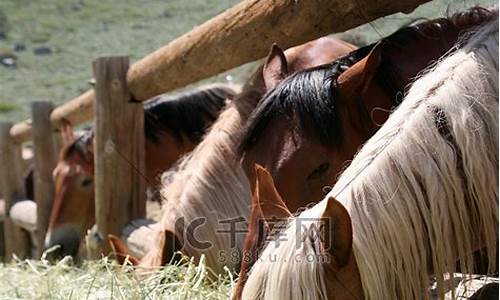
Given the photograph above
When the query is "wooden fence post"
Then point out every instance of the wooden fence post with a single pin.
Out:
(11, 179)
(119, 157)
(45, 157)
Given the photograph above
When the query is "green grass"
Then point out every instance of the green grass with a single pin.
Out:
(79, 33)
(105, 279)
(6, 107)
(81, 30)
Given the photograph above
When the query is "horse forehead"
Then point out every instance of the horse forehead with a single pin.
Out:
(292, 141)
(278, 143)
(68, 168)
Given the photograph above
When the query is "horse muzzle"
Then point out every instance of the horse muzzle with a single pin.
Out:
(67, 238)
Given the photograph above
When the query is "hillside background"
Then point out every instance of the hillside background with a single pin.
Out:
(46, 46)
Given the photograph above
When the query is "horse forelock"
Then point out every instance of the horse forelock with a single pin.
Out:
(81, 146)
(305, 98)
(428, 207)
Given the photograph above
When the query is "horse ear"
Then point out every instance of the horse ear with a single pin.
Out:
(67, 134)
(258, 229)
(359, 76)
(275, 68)
(171, 246)
(270, 201)
(337, 235)
(121, 251)
(266, 206)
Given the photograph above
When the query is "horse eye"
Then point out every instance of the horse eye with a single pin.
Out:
(319, 172)
(86, 181)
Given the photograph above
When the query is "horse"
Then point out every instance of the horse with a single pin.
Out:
(209, 187)
(420, 195)
(311, 123)
(173, 126)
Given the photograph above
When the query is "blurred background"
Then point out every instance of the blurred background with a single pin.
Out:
(46, 46)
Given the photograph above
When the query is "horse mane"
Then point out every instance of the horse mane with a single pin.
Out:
(307, 98)
(438, 189)
(207, 181)
(187, 113)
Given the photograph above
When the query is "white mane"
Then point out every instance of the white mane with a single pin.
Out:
(421, 192)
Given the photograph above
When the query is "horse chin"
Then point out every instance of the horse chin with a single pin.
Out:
(63, 241)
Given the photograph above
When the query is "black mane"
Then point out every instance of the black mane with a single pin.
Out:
(304, 98)
(307, 98)
(186, 114)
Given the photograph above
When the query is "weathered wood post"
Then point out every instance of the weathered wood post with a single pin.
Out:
(45, 157)
(11, 180)
(119, 157)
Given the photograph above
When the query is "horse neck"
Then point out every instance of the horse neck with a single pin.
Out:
(417, 190)
(436, 38)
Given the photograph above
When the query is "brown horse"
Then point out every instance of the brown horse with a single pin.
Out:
(310, 124)
(421, 195)
(210, 184)
(174, 125)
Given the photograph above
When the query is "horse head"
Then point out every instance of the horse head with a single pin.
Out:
(296, 131)
(332, 235)
(73, 210)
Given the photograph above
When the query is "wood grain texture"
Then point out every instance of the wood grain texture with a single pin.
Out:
(45, 158)
(239, 35)
(12, 187)
(76, 111)
(119, 156)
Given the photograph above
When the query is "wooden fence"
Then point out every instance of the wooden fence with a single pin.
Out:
(239, 35)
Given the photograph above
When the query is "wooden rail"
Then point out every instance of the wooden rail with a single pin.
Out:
(239, 35)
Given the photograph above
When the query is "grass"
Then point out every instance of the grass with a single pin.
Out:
(81, 30)
(105, 279)
(6, 107)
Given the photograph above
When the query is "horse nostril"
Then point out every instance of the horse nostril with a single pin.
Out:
(68, 240)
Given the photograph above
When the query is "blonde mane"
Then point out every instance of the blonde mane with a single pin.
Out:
(208, 183)
(211, 183)
(422, 193)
